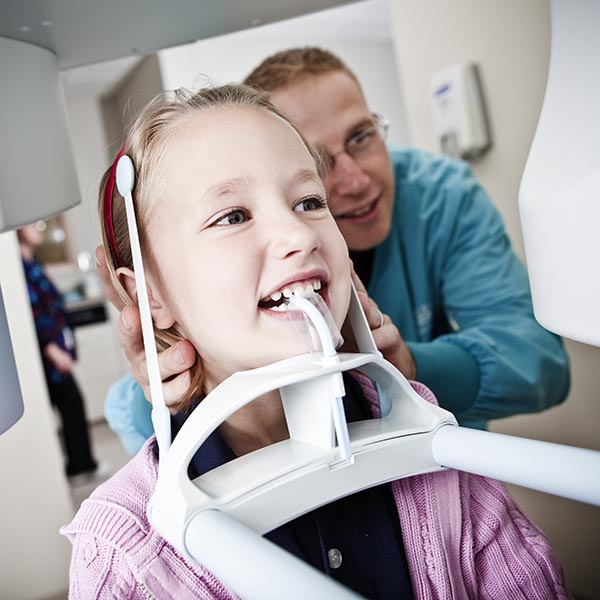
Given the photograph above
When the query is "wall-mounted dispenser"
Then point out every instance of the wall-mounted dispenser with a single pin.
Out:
(460, 119)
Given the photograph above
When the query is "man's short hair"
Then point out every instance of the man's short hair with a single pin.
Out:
(288, 66)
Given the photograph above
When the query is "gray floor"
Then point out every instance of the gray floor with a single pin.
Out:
(110, 455)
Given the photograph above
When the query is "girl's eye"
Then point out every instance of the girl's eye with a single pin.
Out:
(235, 217)
(312, 203)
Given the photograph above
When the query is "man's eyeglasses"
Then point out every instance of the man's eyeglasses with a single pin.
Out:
(361, 142)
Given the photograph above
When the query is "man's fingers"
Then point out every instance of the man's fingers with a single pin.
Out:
(174, 390)
(176, 359)
(172, 363)
(107, 286)
(386, 336)
(390, 343)
(129, 332)
(371, 310)
(358, 284)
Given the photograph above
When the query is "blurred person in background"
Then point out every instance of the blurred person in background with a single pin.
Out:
(57, 349)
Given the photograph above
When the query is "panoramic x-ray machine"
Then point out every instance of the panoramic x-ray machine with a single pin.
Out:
(327, 458)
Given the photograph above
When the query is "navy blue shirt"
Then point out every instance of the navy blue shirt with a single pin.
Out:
(362, 529)
(51, 324)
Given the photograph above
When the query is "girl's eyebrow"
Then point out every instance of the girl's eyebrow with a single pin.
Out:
(231, 186)
(226, 187)
(307, 176)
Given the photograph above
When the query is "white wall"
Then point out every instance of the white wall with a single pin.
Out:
(511, 41)
(367, 51)
(86, 129)
(34, 495)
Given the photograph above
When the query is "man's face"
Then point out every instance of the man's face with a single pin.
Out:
(329, 109)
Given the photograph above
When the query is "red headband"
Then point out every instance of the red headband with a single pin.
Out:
(107, 209)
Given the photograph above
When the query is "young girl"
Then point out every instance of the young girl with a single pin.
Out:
(232, 213)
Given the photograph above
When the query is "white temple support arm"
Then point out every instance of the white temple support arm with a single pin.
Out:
(553, 468)
(252, 567)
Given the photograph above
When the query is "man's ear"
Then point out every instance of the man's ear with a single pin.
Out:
(161, 315)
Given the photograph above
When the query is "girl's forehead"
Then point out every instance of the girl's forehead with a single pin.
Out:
(219, 144)
(235, 123)
(231, 137)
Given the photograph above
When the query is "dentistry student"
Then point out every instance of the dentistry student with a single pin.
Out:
(448, 300)
(232, 210)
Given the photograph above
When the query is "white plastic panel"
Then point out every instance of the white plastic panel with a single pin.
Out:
(559, 197)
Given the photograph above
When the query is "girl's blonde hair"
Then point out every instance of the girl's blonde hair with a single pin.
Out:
(147, 141)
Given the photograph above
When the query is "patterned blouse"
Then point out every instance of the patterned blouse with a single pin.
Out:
(50, 318)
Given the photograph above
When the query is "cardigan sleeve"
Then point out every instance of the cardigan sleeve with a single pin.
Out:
(512, 557)
(99, 570)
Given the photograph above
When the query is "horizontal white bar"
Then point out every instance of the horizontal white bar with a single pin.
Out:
(553, 468)
(253, 567)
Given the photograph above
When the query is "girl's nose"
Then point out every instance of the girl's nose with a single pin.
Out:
(346, 178)
(292, 236)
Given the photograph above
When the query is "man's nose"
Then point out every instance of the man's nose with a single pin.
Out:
(346, 177)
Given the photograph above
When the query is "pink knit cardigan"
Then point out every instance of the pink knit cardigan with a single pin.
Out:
(463, 535)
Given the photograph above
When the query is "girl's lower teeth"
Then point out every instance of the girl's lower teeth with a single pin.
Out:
(282, 307)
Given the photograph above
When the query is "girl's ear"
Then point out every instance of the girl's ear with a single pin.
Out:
(161, 315)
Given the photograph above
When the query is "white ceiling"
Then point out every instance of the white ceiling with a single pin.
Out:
(82, 32)
(360, 20)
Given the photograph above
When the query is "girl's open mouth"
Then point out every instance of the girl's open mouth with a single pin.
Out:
(277, 300)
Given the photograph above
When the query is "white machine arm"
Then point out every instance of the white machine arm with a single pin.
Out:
(553, 468)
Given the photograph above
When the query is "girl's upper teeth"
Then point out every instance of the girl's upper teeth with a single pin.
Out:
(299, 289)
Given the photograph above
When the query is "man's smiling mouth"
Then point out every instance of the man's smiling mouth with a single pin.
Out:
(359, 212)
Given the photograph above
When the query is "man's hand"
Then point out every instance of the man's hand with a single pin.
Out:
(107, 286)
(174, 363)
(386, 335)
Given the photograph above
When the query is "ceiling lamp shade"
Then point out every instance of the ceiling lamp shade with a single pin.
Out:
(37, 168)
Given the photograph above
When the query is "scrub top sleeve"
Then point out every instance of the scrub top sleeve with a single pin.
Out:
(449, 370)
(485, 291)
(128, 413)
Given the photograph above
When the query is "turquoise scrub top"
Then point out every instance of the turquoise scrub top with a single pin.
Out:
(450, 281)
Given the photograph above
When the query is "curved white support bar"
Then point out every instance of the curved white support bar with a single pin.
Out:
(237, 556)
(161, 418)
(553, 468)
